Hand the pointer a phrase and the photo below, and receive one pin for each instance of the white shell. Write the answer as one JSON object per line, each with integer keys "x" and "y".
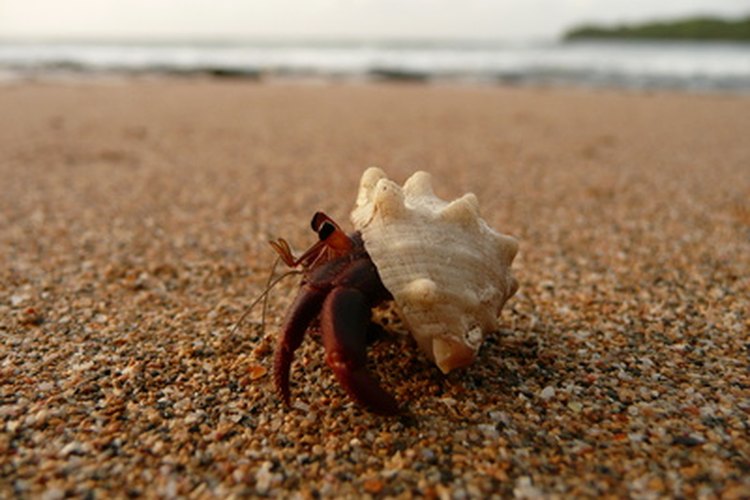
{"x": 448, "y": 271}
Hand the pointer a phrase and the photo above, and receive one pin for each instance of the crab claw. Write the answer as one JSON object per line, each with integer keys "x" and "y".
{"x": 344, "y": 321}
{"x": 303, "y": 311}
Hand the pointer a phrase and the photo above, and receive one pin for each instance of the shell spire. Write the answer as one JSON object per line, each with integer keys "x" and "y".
{"x": 448, "y": 271}
{"x": 463, "y": 211}
{"x": 418, "y": 185}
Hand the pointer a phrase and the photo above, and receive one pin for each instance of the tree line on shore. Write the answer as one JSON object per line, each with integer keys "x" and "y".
{"x": 694, "y": 28}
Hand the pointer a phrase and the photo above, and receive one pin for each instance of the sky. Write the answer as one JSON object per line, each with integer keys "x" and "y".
{"x": 332, "y": 19}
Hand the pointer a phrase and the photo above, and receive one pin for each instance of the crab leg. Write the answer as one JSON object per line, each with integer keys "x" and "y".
{"x": 305, "y": 308}
{"x": 344, "y": 321}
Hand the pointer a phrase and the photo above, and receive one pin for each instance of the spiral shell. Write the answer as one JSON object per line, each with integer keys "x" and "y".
{"x": 448, "y": 271}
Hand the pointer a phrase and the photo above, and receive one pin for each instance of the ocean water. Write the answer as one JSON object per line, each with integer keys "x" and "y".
{"x": 681, "y": 65}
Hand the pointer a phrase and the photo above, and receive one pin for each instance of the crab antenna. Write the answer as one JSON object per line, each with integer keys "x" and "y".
{"x": 282, "y": 248}
{"x": 269, "y": 286}
{"x": 265, "y": 297}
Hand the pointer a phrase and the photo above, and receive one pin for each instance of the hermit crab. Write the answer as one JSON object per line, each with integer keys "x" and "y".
{"x": 445, "y": 270}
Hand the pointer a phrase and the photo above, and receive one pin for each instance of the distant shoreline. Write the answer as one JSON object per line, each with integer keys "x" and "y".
{"x": 716, "y": 66}
{"x": 687, "y": 29}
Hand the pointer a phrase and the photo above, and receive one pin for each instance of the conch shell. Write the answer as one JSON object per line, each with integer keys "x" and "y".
{"x": 448, "y": 271}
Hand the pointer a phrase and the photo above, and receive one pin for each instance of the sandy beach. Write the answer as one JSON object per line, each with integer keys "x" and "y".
{"x": 134, "y": 221}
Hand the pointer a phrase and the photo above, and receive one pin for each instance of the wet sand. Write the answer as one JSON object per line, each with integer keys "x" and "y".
{"x": 134, "y": 221}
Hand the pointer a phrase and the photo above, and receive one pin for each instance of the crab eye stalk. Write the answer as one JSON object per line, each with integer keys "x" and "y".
{"x": 329, "y": 232}
{"x": 318, "y": 220}
{"x": 324, "y": 226}
{"x": 326, "y": 229}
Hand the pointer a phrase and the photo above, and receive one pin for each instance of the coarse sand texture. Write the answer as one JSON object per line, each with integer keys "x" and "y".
{"x": 134, "y": 226}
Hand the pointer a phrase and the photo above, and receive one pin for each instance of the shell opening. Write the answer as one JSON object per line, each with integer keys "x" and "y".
{"x": 450, "y": 354}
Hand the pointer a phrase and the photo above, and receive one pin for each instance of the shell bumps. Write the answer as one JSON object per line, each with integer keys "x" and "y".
{"x": 448, "y": 271}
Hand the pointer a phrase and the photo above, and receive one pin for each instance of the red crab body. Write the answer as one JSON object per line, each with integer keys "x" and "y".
{"x": 340, "y": 287}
